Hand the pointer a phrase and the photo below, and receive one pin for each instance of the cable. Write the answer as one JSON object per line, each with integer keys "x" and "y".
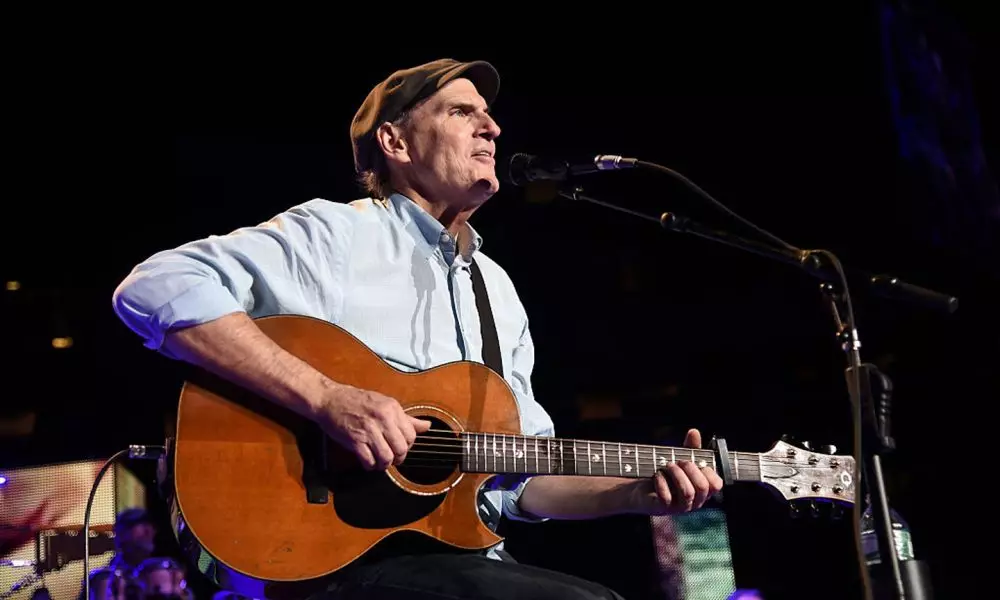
{"x": 134, "y": 451}
{"x": 715, "y": 203}
{"x": 853, "y": 356}
{"x": 856, "y": 418}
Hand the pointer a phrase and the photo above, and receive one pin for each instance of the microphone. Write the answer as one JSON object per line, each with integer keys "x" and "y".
{"x": 525, "y": 168}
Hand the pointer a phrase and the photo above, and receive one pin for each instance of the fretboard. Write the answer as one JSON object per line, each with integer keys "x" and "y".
{"x": 533, "y": 455}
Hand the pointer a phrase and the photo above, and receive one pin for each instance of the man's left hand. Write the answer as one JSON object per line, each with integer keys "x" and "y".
{"x": 679, "y": 487}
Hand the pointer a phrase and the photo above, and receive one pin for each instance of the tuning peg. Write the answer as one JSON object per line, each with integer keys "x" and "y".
{"x": 813, "y": 510}
{"x": 794, "y": 511}
{"x": 828, "y": 449}
{"x": 836, "y": 512}
{"x": 788, "y": 438}
{"x": 806, "y": 445}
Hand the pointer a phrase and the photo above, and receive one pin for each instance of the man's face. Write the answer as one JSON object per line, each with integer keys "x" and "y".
{"x": 449, "y": 147}
{"x": 162, "y": 582}
{"x": 139, "y": 538}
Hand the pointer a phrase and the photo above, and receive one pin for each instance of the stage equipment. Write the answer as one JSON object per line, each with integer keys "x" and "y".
{"x": 868, "y": 388}
{"x": 42, "y": 510}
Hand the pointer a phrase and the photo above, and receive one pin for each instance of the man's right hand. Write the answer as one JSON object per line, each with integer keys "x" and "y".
{"x": 371, "y": 425}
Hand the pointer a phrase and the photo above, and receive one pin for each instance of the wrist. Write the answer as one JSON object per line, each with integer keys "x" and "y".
{"x": 315, "y": 394}
{"x": 630, "y": 497}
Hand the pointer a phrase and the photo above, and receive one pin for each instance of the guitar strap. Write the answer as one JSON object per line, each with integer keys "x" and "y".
{"x": 494, "y": 360}
{"x": 491, "y": 343}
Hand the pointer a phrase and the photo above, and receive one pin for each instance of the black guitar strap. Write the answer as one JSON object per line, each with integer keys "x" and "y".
{"x": 491, "y": 343}
{"x": 493, "y": 359}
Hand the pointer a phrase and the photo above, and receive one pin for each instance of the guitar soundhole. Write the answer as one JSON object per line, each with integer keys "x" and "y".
{"x": 435, "y": 455}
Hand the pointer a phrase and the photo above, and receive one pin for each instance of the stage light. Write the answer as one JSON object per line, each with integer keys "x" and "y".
{"x": 62, "y": 342}
{"x": 13, "y": 286}
{"x": 3, "y": 480}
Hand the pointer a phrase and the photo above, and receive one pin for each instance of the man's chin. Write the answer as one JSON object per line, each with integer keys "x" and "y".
{"x": 487, "y": 187}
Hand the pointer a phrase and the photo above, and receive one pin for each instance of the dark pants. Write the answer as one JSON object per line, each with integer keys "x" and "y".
{"x": 460, "y": 576}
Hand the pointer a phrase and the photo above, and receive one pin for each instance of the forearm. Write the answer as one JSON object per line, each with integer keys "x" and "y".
{"x": 568, "y": 497}
{"x": 234, "y": 348}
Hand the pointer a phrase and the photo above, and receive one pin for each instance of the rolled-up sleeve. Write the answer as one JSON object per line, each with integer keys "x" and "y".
{"x": 535, "y": 420}
{"x": 289, "y": 264}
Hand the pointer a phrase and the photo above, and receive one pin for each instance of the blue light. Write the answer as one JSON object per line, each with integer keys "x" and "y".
{"x": 3, "y": 480}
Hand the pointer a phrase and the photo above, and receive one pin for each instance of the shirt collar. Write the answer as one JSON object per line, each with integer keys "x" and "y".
{"x": 422, "y": 225}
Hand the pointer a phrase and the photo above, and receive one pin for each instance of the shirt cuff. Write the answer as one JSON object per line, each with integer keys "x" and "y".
{"x": 202, "y": 303}
{"x": 512, "y": 507}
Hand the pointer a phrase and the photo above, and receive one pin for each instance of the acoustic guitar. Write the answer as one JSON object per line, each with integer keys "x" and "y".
{"x": 260, "y": 495}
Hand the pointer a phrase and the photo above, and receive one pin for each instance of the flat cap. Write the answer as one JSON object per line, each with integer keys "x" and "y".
{"x": 405, "y": 88}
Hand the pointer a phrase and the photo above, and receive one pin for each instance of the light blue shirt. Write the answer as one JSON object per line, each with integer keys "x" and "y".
{"x": 385, "y": 271}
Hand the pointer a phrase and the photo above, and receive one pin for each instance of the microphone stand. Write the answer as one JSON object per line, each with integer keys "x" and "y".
{"x": 891, "y": 578}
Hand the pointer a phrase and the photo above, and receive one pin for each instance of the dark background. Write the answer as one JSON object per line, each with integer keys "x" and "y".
{"x": 829, "y": 127}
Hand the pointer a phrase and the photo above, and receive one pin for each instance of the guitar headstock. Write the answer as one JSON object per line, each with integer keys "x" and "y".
{"x": 801, "y": 473}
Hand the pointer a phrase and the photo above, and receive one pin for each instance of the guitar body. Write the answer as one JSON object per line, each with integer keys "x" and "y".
{"x": 258, "y": 499}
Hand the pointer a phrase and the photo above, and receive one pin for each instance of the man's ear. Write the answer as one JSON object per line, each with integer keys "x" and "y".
{"x": 393, "y": 144}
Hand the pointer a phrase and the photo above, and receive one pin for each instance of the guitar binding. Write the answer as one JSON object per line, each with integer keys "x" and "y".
{"x": 434, "y": 464}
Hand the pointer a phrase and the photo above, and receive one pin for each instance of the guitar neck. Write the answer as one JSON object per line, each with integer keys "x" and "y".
{"x": 533, "y": 455}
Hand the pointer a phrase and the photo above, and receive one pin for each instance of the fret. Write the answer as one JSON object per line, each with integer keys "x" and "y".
{"x": 576, "y": 460}
{"x": 638, "y": 472}
{"x": 604, "y": 458}
{"x": 590, "y": 468}
{"x": 562, "y": 463}
{"x": 537, "y": 468}
{"x": 503, "y": 448}
{"x": 466, "y": 454}
{"x": 736, "y": 464}
{"x": 548, "y": 453}
{"x": 525, "y": 454}
{"x": 514, "y": 450}
{"x": 751, "y": 470}
{"x": 620, "y": 472}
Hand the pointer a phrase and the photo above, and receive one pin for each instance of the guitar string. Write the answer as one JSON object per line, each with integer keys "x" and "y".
{"x": 454, "y": 458}
{"x": 626, "y": 451}
{"x": 703, "y": 453}
{"x": 431, "y": 463}
{"x": 521, "y": 439}
{"x": 460, "y": 448}
{"x": 642, "y": 461}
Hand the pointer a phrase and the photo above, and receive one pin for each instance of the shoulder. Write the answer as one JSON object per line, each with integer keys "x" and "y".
{"x": 325, "y": 211}
{"x": 492, "y": 271}
{"x": 325, "y": 217}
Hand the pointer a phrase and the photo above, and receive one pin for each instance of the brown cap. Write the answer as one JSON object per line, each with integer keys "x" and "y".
{"x": 404, "y": 88}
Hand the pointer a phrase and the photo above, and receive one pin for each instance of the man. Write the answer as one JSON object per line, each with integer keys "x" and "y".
{"x": 135, "y": 542}
{"x": 395, "y": 270}
{"x": 161, "y": 578}
{"x": 135, "y": 539}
